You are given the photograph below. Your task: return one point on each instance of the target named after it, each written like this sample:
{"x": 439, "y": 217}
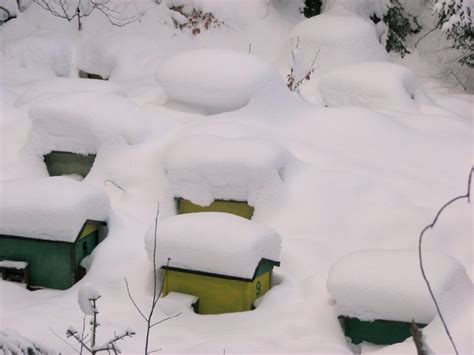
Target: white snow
{"x": 203, "y": 168}
{"x": 388, "y": 284}
{"x": 83, "y": 122}
{"x": 43, "y": 89}
{"x": 364, "y": 177}
{"x": 337, "y": 38}
{"x": 11, "y": 342}
{"x": 217, "y": 80}
{"x": 55, "y": 208}
{"x": 219, "y": 243}
{"x": 86, "y": 296}
{"x": 376, "y": 85}
{"x": 13, "y": 264}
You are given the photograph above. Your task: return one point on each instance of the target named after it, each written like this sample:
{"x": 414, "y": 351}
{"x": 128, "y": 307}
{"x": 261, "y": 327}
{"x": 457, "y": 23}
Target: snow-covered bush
{"x": 87, "y": 298}
{"x": 12, "y": 342}
{"x": 189, "y": 15}
{"x": 76, "y": 10}
{"x": 455, "y": 21}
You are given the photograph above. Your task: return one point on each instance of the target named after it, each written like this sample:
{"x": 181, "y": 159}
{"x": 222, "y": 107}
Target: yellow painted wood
{"x": 217, "y": 295}
{"x": 239, "y": 208}
{"x": 88, "y": 229}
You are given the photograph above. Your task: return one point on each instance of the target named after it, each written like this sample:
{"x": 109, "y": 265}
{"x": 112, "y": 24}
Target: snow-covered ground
{"x": 365, "y": 155}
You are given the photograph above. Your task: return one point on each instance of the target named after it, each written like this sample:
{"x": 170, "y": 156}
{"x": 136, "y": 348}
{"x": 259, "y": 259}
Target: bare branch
{"x": 133, "y": 300}
{"x": 64, "y": 340}
{"x": 165, "y": 319}
{"x": 420, "y": 256}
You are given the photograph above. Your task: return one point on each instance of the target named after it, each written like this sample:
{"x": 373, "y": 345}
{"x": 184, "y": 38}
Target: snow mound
{"x": 203, "y": 168}
{"x": 337, "y": 38}
{"x": 53, "y": 208}
{"x": 43, "y": 51}
{"x": 387, "y": 284}
{"x": 82, "y": 122}
{"x": 376, "y": 85}
{"x": 217, "y": 80}
{"x": 85, "y": 295}
{"x": 213, "y": 242}
{"x": 49, "y": 88}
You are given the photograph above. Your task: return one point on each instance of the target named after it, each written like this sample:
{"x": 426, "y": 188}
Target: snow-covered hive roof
{"x": 203, "y": 168}
{"x": 217, "y": 80}
{"x": 53, "y": 208}
{"x": 82, "y": 122}
{"x": 47, "y": 88}
{"x": 337, "y": 38}
{"x": 213, "y": 242}
{"x": 378, "y": 85}
{"x": 387, "y": 284}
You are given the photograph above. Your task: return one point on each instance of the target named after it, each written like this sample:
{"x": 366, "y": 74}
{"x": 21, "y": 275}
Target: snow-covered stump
{"x": 223, "y": 260}
{"x": 214, "y": 174}
{"x": 380, "y": 293}
{"x": 68, "y": 130}
{"x": 52, "y": 224}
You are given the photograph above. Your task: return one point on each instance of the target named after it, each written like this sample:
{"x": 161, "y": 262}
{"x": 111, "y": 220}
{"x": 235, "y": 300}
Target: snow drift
{"x": 376, "y": 85}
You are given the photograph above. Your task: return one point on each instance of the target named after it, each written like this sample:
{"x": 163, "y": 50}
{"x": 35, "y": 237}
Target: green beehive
{"x": 68, "y": 163}
{"x": 85, "y": 75}
{"x": 238, "y": 208}
{"x": 52, "y": 264}
{"x": 380, "y": 293}
{"x": 51, "y": 225}
{"x": 224, "y": 260}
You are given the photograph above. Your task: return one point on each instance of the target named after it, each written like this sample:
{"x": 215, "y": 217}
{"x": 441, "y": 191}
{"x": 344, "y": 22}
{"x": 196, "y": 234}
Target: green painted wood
{"x": 85, "y": 75}
{"x": 239, "y": 208}
{"x": 82, "y": 248}
{"x": 50, "y": 262}
{"x": 380, "y": 332}
{"x": 66, "y": 163}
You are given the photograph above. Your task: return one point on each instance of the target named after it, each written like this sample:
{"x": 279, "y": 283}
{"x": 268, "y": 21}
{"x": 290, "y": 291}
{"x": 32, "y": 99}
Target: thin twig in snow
{"x": 467, "y": 196}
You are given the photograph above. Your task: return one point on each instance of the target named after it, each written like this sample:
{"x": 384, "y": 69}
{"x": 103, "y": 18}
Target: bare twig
{"x": 165, "y": 319}
{"x": 467, "y": 196}
{"x": 63, "y": 340}
{"x": 417, "y": 339}
{"x": 133, "y": 300}
{"x": 115, "y": 184}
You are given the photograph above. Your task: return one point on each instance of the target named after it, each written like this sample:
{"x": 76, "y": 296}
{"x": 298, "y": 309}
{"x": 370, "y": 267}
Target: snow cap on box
{"x": 82, "y": 122}
{"x": 53, "y": 208}
{"x": 388, "y": 285}
{"x": 213, "y": 242}
{"x": 217, "y": 80}
{"x": 204, "y": 168}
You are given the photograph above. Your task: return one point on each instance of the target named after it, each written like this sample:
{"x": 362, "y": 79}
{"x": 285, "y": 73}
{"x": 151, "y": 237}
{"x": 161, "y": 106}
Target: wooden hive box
{"x": 224, "y": 260}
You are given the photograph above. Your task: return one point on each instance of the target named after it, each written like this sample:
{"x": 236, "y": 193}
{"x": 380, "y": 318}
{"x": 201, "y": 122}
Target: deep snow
{"x": 362, "y": 178}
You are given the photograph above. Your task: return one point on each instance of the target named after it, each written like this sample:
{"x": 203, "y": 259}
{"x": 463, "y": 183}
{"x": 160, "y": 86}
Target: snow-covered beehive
{"x": 224, "y": 260}
{"x": 52, "y": 224}
{"x": 69, "y": 130}
{"x": 209, "y": 173}
{"x": 379, "y": 293}
{"x": 217, "y": 80}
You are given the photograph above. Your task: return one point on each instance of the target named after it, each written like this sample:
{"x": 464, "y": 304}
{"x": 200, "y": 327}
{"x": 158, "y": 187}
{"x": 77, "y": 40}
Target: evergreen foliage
{"x": 400, "y": 25}
{"x": 455, "y": 21}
